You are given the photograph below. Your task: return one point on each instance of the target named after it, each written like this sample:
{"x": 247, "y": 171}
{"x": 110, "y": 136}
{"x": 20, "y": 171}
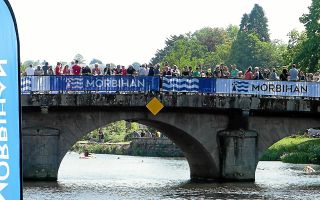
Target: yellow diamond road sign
{"x": 155, "y": 106}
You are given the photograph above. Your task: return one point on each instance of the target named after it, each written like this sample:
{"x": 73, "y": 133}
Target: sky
{"x": 127, "y": 31}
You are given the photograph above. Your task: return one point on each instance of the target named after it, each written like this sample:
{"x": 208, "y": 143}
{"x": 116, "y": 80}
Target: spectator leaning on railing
{"x": 58, "y": 69}
{"x": 38, "y": 71}
{"x": 86, "y": 70}
{"x": 66, "y": 70}
{"x": 50, "y": 71}
{"x": 76, "y": 69}
{"x": 219, "y": 71}
{"x": 29, "y": 71}
{"x": 274, "y": 75}
{"x": 248, "y": 75}
{"x": 96, "y": 71}
{"x": 234, "y": 71}
{"x": 293, "y": 73}
{"x": 284, "y": 75}
{"x": 45, "y": 68}
{"x": 131, "y": 71}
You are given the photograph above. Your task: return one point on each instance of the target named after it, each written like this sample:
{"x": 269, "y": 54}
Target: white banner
{"x": 270, "y": 88}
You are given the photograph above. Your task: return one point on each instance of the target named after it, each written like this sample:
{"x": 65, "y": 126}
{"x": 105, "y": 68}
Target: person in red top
{"x": 58, "y": 69}
{"x": 124, "y": 71}
{"x": 118, "y": 70}
{"x": 76, "y": 69}
{"x": 66, "y": 70}
{"x": 248, "y": 75}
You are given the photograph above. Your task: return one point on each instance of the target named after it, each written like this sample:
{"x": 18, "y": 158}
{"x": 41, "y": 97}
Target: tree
{"x": 79, "y": 58}
{"x": 309, "y": 54}
{"x": 248, "y": 50}
{"x": 186, "y": 52}
{"x": 294, "y": 47}
{"x": 95, "y": 61}
{"x": 162, "y": 53}
{"x": 252, "y": 46}
{"x": 211, "y": 37}
{"x": 244, "y": 25}
{"x": 258, "y": 23}
{"x": 232, "y": 32}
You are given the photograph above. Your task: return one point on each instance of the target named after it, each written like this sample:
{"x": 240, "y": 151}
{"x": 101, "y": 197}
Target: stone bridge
{"x": 222, "y": 137}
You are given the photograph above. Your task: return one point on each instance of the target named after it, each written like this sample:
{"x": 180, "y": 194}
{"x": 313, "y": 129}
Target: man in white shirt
{"x": 293, "y": 73}
{"x": 30, "y": 71}
{"x": 143, "y": 71}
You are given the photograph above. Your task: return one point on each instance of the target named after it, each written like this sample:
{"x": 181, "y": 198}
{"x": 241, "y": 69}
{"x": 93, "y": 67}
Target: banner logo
{"x": 240, "y": 86}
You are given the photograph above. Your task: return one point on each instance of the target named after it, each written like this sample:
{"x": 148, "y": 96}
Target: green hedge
{"x": 299, "y": 149}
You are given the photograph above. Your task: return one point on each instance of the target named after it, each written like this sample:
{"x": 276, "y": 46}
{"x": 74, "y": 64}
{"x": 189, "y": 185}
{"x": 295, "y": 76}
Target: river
{"x": 129, "y": 177}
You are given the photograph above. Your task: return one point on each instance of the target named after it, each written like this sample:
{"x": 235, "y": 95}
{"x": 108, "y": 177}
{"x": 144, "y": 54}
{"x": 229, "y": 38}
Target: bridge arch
{"x": 70, "y": 126}
{"x": 272, "y": 129}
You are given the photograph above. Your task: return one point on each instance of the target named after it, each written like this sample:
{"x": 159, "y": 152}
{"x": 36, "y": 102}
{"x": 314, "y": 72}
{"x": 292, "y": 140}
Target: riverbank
{"x": 296, "y": 150}
{"x": 151, "y": 147}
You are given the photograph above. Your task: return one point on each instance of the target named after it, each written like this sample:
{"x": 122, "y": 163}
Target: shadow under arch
{"x": 201, "y": 164}
{"x": 199, "y": 159}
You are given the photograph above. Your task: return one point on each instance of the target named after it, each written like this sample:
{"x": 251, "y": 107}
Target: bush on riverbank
{"x": 107, "y": 148}
{"x": 299, "y": 150}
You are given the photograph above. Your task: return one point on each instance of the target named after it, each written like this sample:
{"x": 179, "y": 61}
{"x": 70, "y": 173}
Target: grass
{"x": 298, "y": 150}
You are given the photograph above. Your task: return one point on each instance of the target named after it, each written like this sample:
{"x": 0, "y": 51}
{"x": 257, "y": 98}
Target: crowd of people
{"x": 220, "y": 71}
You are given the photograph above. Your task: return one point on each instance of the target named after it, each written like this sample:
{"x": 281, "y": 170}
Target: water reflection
{"x": 108, "y": 177}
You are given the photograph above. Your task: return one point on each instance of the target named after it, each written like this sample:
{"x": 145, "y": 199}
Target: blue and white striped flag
{"x": 26, "y": 85}
{"x": 74, "y": 83}
{"x": 180, "y": 84}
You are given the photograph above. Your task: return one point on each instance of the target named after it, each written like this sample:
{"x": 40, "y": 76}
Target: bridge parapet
{"x": 222, "y": 137}
{"x": 172, "y": 101}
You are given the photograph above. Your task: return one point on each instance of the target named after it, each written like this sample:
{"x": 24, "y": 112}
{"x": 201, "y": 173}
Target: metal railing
{"x": 132, "y": 84}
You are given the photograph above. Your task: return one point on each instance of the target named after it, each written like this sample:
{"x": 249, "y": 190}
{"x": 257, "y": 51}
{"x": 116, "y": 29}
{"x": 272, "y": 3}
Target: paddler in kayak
{"x": 86, "y": 153}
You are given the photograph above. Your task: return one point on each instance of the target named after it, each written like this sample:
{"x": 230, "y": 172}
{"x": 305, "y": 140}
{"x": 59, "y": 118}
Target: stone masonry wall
{"x": 161, "y": 147}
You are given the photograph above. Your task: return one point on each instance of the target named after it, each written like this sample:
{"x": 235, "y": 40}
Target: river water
{"x": 129, "y": 177}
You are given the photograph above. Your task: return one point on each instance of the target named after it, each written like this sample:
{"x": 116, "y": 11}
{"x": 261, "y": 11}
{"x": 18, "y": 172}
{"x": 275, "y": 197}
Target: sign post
{"x": 10, "y": 160}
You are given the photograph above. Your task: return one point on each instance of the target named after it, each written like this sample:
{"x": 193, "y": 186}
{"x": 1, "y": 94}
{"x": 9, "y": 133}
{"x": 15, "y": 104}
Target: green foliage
{"x": 309, "y": 53}
{"x": 296, "y": 157}
{"x": 114, "y": 132}
{"x": 248, "y": 46}
{"x": 162, "y": 53}
{"x": 207, "y": 46}
{"x": 292, "y": 52}
{"x": 258, "y": 23}
{"x": 118, "y": 149}
{"x": 186, "y": 52}
{"x": 252, "y": 46}
{"x": 210, "y": 38}
{"x": 248, "y": 50}
{"x": 294, "y": 150}
{"x": 244, "y": 23}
